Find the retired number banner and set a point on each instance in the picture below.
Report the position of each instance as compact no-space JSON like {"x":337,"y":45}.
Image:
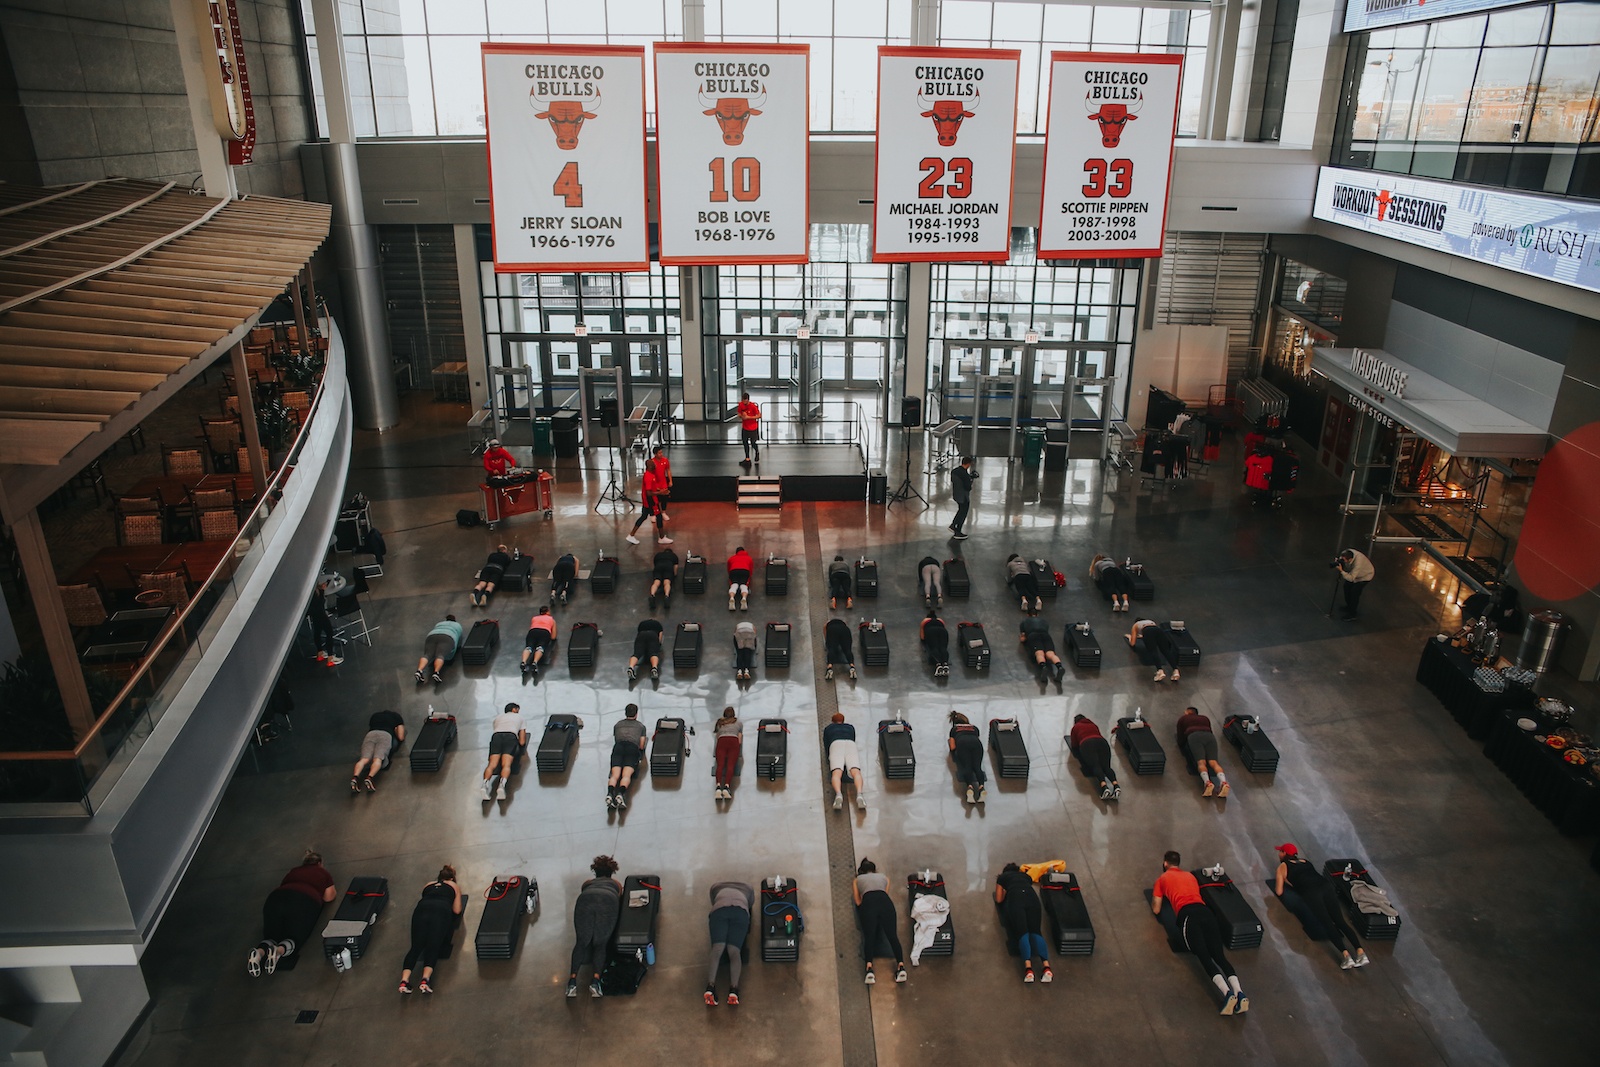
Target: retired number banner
{"x":1108,"y":154}
{"x":733,"y":141}
{"x":947,"y":120}
{"x":566,"y":157}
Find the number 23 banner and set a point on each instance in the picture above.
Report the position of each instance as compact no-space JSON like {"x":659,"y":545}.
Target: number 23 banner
{"x":946,"y":154}
{"x":733,"y":141}
{"x":1108,"y":154}
{"x":566,"y":156}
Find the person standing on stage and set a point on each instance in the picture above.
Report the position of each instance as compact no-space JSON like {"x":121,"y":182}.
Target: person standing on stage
{"x":961,"y":493}
{"x":750,"y":427}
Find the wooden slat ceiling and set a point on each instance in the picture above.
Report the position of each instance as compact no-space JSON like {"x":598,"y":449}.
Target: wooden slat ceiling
{"x":110,"y":289}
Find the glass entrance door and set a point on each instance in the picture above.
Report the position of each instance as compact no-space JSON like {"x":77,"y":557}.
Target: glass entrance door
{"x":980,"y":380}
{"x":1066,"y":382}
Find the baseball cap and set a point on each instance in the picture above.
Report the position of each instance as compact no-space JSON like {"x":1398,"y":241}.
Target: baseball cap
{"x":1288,"y":850}
{"x":494,"y":442}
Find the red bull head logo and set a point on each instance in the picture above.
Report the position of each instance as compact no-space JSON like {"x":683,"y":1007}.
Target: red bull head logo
{"x":566,"y":117}
{"x":947,"y":115}
{"x":733,"y":113}
{"x":1113,"y":118}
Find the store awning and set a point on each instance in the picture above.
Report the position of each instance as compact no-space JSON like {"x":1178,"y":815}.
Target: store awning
{"x":1456,"y":421}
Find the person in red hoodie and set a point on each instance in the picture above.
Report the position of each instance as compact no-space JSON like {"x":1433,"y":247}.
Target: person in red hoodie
{"x":1094,"y":755}
{"x":1258,"y":475}
{"x":740,"y":568}
{"x":750,"y":427}
{"x":650,"y":489}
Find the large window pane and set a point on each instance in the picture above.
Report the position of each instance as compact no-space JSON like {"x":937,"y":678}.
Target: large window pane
{"x":1446,"y":80}
{"x":965,"y":18}
{"x":855,"y":84}
{"x":1116,"y":25}
{"x":458,"y":86}
{"x":359,"y":79}
{"x":1565,"y":109}
{"x":447,"y":16}
{"x":1521,"y":25}
{"x":750,"y":18}
{"x":1501,"y":95}
{"x":1576,"y":24}
{"x":636,"y":17}
{"x":519,"y":17}
{"x":1017,"y":22}
{"x":1068,"y":24}
{"x":402,"y":87}
{"x":392,"y":16}
{"x":578,"y":20}
{"x":1459,"y":33}
{"x":804,"y":18}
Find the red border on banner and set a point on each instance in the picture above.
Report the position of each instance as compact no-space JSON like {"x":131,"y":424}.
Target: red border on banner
{"x":733,"y":46}
{"x":1002,"y":256}
{"x":512,"y":48}
{"x":1158,"y":58}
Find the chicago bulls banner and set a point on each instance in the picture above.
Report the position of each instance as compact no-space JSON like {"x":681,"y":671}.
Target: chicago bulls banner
{"x":1108,"y":154}
{"x":566,"y":156}
{"x":947,"y":120}
{"x":733,"y":139}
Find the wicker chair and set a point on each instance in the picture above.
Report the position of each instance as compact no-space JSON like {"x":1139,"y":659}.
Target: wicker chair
{"x":140,"y":528}
{"x":242,"y":458}
{"x":219,"y":524}
{"x":298,"y":401}
{"x":84,"y":605}
{"x":172,"y":584}
{"x":181,"y":461}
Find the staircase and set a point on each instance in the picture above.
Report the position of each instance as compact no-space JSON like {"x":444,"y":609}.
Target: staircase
{"x":760,"y":491}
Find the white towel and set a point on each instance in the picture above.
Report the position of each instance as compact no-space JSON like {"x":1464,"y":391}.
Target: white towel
{"x":927,"y":915}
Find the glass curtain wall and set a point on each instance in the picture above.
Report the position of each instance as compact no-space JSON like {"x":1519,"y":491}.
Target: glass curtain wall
{"x":1507,"y":99}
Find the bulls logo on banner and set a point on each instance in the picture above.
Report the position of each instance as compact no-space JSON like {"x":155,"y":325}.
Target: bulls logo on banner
{"x":946,"y":154}
{"x":1108,"y":154}
{"x":732,"y":152}
{"x":566,"y":156}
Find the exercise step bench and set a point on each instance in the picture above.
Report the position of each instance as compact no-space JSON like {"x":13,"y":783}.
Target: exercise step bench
{"x":352,"y":922}
{"x":1082,"y":646}
{"x":874,"y":644}
{"x":507,"y":903}
{"x":1374,"y":926}
{"x":772,"y":748}
{"x":781,"y":923}
{"x":669,"y":747}
{"x":481,"y":641}
{"x":1188,"y":647}
{"x":931,"y":883}
{"x":686,"y":644}
{"x":779,"y":636}
{"x":518,"y":576}
{"x":894,"y":745}
{"x":1063,"y":902}
{"x":603,"y":578}
{"x":641,"y":905}
{"x":1009,"y":749}
{"x":556,"y":745}
{"x":427,"y":750}
{"x":1044,"y":575}
{"x":867,"y":578}
{"x":582,"y":645}
{"x":1256,"y":751}
{"x":974,"y":644}
{"x":693,"y":577}
{"x":1235,"y":917}
{"x":956,"y":580}
{"x":1141,"y":746}
{"x":777,"y":577}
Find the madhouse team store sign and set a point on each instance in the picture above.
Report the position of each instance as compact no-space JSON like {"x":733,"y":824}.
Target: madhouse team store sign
{"x":566,"y":157}
{"x":1108,"y":154}
{"x":733,"y":140}
{"x":946,"y":154}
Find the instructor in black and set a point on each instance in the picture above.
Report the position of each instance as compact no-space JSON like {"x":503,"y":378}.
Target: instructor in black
{"x":961,"y":493}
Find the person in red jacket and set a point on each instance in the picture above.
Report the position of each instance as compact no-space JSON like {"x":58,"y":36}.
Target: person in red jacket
{"x":1094,"y":755}
{"x":740,"y":568}
{"x":651,"y":487}
{"x":500,"y":465}
{"x":750,"y":427}
{"x":1258,"y":475}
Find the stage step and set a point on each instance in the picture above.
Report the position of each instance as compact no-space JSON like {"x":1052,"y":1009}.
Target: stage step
{"x":759,"y":491}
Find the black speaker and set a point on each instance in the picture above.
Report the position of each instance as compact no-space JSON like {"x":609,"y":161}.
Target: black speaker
{"x":608,"y":412}
{"x":910,"y":412}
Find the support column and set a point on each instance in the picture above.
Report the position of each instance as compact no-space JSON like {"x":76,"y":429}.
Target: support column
{"x":1220,"y":67}
{"x":373,"y":396}
{"x":297,"y":301}
{"x":58,"y":642}
{"x":470,"y":285}
{"x":247,"y":421}
{"x":693,"y":393}
{"x":919,"y":286}
{"x":198,"y":59}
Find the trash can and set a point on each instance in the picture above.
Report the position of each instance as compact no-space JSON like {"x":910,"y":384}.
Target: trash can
{"x":877,"y":487}
{"x":1541,"y":640}
{"x":1055,"y":446}
{"x":1032,"y":447}
{"x":564,"y":433}
{"x":542,"y":442}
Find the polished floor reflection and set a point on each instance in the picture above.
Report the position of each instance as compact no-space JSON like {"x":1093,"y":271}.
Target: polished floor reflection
{"x":1494,"y":964}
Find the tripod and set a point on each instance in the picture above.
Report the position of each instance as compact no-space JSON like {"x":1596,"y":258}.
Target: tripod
{"x":613,"y":493}
{"x":906,"y":490}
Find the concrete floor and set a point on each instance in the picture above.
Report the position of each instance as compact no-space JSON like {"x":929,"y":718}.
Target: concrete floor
{"x":1494,"y":966}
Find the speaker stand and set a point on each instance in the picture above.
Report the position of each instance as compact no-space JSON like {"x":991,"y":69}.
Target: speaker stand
{"x":613,"y":493}
{"x":906,"y":491}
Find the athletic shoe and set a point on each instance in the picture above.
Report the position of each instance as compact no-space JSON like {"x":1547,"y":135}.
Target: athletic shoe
{"x":900,"y":973}
{"x":744,"y":602}
{"x":1161,"y":676}
{"x":252,"y":963}
{"x":563,"y":597}
{"x":488,"y":789}
{"x":425,"y":987}
{"x":421,"y":677}
{"x":731,"y":602}
{"x":1038,"y":603}
{"x":1061,"y":671}
{"x":1244,"y":1004}
{"x":367,"y":782}
{"x":633,"y":672}
{"x":959,"y":537}
{"x":355,"y":786}
{"x":594,"y":989}
{"x":1027,"y":976}
{"x":833,"y":603}
{"x":871,"y":979}
{"x":1361,"y":958}
{"x":652,"y":604}
{"x":663,"y":540}
{"x":711,"y":997}
{"x":321,"y":656}
{"x":838,"y":802}
{"x":405,"y":986}
{"x":1208,"y":790}
{"x":437,"y":678}
{"x":1048,"y":976}
{"x":611,"y":799}
{"x":270,"y":964}
{"x":1024,"y":603}
{"x":1116,"y":792}
{"x":983,"y":794}
{"x":334,"y":661}
{"x":632,"y":540}
{"x":622,"y":801}
{"x":971,"y":797}
{"x":1105,"y":792}
{"x":1349,"y":964}
{"x":1223,"y":791}
{"x":1231,"y":1004}
{"x":733,"y":998}
{"x":827,"y":675}
{"x":655,"y":672}
{"x":861,"y":805}
{"x":852,"y":672}
{"x":500,"y":787}
{"x":572,"y":989}
{"x":849,"y":602}
{"x":523,"y":666}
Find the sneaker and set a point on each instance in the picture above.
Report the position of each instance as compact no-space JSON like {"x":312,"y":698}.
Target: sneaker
{"x":1061,"y":671}
{"x":632,"y":540}
{"x":1349,"y":964}
{"x":1038,"y":603}
{"x":572,"y":988}
{"x":252,"y":963}
{"x":733,"y":998}
{"x":1175,"y":674}
{"x":972,"y":797}
{"x":488,"y":789}
{"x":367,"y":783}
{"x":421,"y":677}
{"x":321,"y":656}
{"x":852,"y":672}
{"x":1027,"y":976}
{"x":833,"y":603}
{"x":594,"y":989}
{"x":405,"y":986}
{"x":633,"y":672}
{"x":1244,"y":1004}
{"x":655,"y":672}
{"x":1105,"y":792}
{"x":861,"y":805}
{"x":1048,"y":976}
{"x":622,"y":801}
{"x":744,"y":602}
{"x":983,"y":794}
{"x":711,"y":997}
{"x":355,"y":786}
{"x":1223,"y":791}
{"x":500,"y":787}
{"x":1024,"y":603}
{"x":1361,"y":958}
{"x":1116,"y":792}
{"x":900,"y":973}
{"x":437,"y":678}
{"x":523,"y":666}
{"x":959,"y":537}
{"x":731,"y":603}
{"x":611,"y":799}
{"x":1161,"y":676}
{"x":424,"y":987}
{"x":838,"y":804}
{"x":827,"y":675}
{"x":1208,"y":790}
{"x":334,"y":661}
{"x":663,"y":540}
{"x":870,"y":979}
{"x":849,"y":602}
{"x":1231,"y":1004}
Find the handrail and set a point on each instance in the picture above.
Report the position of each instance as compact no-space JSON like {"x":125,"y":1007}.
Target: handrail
{"x":176,"y":626}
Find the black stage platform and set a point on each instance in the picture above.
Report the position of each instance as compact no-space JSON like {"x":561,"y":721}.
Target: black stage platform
{"x":818,"y":471}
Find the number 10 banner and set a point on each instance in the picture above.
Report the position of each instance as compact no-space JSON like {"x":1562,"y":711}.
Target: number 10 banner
{"x":733,"y":142}
{"x":946,"y":154}
{"x":1108,"y":154}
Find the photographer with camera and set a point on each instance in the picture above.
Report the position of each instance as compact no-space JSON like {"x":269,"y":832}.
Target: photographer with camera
{"x":1356,"y":570}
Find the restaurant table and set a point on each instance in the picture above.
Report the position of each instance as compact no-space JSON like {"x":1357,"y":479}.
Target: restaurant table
{"x":126,"y":636}
{"x":1447,"y":674}
{"x":1569,"y":795}
{"x":111,"y":566}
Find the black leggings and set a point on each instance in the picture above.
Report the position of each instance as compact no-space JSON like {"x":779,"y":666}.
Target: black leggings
{"x":1158,"y":643}
{"x":968,"y":755}
{"x":594,"y":917}
{"x":1025,"y":585}
{"x":744,"y":659}
{"x":1324,"y":904}
{"x":1115,"y":580}
{"x":1095,"y":757}
{"x":561,"y":579}
{"x":878,"y":919}
{"x":839,"y":648}
{"x":839,"y":584}
{"x":432,"y":925}
{"x":936,"y":639}
{"x":1200,"y":934}
{"x":289,"y":915}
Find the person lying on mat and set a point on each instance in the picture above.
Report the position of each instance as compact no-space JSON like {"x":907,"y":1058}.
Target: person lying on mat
{"x":385,"y":730}
{"x":844,"y":757}
{"x":838,"y":648}
{"x":290,"y":913}
{"x":433,"y":924}
{"x":930,"y":578}
{"x":1113,"y":580}
{"x":744,"y":650}
{"x":1019,"y":576}
{"x":540,"y":637}
{"x":839,"y":583}
{"x":1195,"y":738}
{"x":594,"y":917}
{"x":646,"y":648}
{"x":731,"y":903}
{"x":936,"y":643}
{"x":489,"y":575}
{"x":966,"y":749}
{"x":1199,"y":930}
{"x":1321,"y":899}
{"x":1159,"y":644}
{"x":509,"y":736}
{"x":627,"y":750}
{"x":1034,"y":633}
{"x":875,"y":911}
{"x":740,"y":568}
{"x":562,"y":575}
{"x":663,"y":571}
{"x":1094,"y":754}
{"x":1024,"y":919}
{"x":438,"y":648}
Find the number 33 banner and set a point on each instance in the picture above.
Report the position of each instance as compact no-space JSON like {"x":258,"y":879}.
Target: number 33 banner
{"x":733,"y":142}
{"x":566,"y":157}
{"x":1108,"y":154}
{"x":946,"y":135}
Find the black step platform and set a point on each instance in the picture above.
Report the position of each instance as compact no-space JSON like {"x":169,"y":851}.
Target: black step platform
{"x":780,"y":921}
{"x":1009,"y":749}
{"x":1063,"y":903}
{"x":636,"y":922}
{"x":427,"y":749}
{"x":479,"y":646}
{"x":957,"y":582}
{"x":777,"y":577}
{"x":894,"y":745}
{"x":1045,"y":575}
{"x":1083,"y":647}
{"x":687,"y":641}
{"x":358,"y":911}
{"x":779,"y":637}
{"x":1235,"y":917}
{"x":931,"y":883}
{"x":1143,"y":587}
{"x":1370,"y":925}
{"x":1188,"y":647}
{"x":867,"y":578}
{"x":1256,"y":751}
{"x":974,"y":645}
{"x":1142,"y":747}
{"x":668,"y":748}
{"x":518,"y":576}
{"x":772,"y":748}
{"x":555,"y":747}
{"x":693,"y":577}
{"x":507,"y":903}
{"x":874,"y":644}
{"x":603,"y":577}
{"x":582,"y":645}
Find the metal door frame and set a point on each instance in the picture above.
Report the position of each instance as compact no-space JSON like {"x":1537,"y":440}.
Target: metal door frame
{"x":657,"y":341}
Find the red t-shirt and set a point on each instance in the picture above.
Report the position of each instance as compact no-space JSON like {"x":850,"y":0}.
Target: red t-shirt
{"x":741,"y":561}
{"x":750,"y":414}
{"x":497,"y":461}
{"x":547,"y":623}
{"x":1190,"y":724}
{"x":1081,"y":732}
{"x":1179,"y":888}
{"x":653,"y":483}
{"x":312,"y":880}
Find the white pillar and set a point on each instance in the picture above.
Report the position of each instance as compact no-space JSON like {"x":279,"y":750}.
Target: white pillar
{"x":471,"y":289}
{"x":198,"y":58}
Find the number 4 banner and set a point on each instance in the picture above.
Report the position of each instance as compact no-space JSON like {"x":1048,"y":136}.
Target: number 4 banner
{"x":946,"y":154}
{"x":566,"y":157}
{"x":733,"y":142}
{"x":1108,"y":154}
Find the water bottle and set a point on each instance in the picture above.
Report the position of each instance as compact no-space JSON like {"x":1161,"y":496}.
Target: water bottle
{"x":1138,"y":714}
{"x":516,"y":553}
{"x":650,"y":954}
{"x":430,"y":711}
{"x":1348,"y":872}
{"x":1127,"y":563}
{"x":788,"y":924}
